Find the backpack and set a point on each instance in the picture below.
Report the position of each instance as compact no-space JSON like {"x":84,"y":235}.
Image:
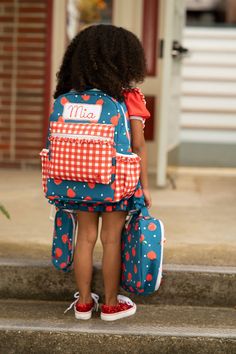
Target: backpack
{"x":142,"y":253}
{"x":88,"y":146}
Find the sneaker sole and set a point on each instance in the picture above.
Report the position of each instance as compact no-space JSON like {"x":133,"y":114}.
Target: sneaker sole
{"x":119,"y":315}
{"x":83,"y":315}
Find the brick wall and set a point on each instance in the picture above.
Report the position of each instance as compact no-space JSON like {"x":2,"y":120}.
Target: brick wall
{"x":25,"y":33}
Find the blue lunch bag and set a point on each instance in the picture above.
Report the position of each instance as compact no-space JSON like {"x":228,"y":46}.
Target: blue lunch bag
{"x":142,"y":253}
{"x":63,"y":244}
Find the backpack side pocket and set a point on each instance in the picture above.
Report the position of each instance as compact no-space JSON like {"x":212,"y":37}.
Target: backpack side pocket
{"x":44,"y":154}
{"x":127,"y":175}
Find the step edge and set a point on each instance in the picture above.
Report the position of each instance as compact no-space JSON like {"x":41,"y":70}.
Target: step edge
{"x":184,"y":332}
{"x":166,"y":267}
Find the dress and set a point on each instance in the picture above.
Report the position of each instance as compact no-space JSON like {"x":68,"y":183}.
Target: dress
{"x":136,"y":107}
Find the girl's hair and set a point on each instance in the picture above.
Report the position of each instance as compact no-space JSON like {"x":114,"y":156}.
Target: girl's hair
{"x":105,"y":57}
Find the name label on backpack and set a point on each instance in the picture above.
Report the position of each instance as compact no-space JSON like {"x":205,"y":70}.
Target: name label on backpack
{"x":81,"y":111}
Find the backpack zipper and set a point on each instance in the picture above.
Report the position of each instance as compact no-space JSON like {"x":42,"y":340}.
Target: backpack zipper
{"x":126,"y":155}
{"x":125,"y":119}
{"x":79,"y":136}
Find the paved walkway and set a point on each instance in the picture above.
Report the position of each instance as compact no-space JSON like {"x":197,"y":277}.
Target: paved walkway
{"x":199,"y":217}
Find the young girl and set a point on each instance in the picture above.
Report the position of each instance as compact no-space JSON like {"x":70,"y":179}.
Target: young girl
{"x":112,"y":60}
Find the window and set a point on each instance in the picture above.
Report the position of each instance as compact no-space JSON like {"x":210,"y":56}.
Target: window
{"x":82,"y":13}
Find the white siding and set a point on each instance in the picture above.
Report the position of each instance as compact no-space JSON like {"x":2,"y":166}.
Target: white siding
{"x":208,"y":104}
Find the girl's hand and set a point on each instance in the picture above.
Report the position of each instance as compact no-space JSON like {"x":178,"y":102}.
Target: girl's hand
{"x":147,"y":198}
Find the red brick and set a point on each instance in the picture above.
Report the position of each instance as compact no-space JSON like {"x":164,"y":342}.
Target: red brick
{"x":6,"y":19}
{"x":30,"y":40}
{"x":32,"y":20}
{"x":31,"y":30}
{"x":33,"y":10}
{"x":10,"y":48}
{"x":30,"y":58}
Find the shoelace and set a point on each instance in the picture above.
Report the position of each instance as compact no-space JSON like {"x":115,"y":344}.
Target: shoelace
{"x":95,"y":298}
{"x":125,"y":300}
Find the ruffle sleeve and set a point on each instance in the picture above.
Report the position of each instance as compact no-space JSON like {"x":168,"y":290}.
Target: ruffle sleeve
{"x":136,"y":104}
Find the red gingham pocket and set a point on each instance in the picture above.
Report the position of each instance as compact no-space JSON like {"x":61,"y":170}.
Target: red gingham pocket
{"x":127,"y":175}
{"x":82,"y":152}
{"x":45,"y":167}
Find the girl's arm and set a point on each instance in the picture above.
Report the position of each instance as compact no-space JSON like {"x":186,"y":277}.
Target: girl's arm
{"x":139,"y":148}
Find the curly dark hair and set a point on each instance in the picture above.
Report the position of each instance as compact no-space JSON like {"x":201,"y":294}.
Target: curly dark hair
{"x":105,"y":57}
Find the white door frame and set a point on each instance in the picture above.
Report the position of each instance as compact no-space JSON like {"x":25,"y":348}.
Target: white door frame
{"x":155,"y":86}
{"x":166,"y":13}
{"x":58,"y":37}
{"x":131,"y":9}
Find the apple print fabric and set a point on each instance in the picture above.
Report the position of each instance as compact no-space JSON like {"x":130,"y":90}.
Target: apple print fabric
{"x":63,"y":240}
{"x":142,"y":253}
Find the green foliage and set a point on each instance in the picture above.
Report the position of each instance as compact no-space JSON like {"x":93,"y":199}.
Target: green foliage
{"x":4,"y":211}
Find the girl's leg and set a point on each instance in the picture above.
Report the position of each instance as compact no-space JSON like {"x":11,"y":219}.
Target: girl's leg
{"x":112,"y":225}
{"x":83,"y":256}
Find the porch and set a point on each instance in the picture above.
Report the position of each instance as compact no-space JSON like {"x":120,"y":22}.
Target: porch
{"x":199,"y":216}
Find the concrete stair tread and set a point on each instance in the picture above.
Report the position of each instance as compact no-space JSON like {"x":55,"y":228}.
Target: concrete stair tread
{"x":45,"y":263}
{"x":149,"y":320}
{"x":175,"y":252}
{"x":182,"y":285}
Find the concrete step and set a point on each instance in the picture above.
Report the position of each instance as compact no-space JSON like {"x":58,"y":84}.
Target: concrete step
{"x":182,"y":285}
{"x":41,"y":327}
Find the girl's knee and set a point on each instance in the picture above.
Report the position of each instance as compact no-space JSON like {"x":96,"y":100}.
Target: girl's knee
{"x":110,"y":237}
{"x":89,"y":236}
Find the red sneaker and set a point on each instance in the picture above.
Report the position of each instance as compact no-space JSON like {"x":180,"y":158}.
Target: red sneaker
{"x":125,"y":308}
{"x":84,"y":311}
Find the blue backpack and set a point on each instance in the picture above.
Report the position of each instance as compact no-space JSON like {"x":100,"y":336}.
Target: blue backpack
{"x":88,"y":157}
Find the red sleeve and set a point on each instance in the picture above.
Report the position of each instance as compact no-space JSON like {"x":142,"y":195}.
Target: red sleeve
{"x":136,"y":104}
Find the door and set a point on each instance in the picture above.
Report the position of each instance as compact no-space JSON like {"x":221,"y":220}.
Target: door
{"x":157,"y":23}
{"x":170,"y":63}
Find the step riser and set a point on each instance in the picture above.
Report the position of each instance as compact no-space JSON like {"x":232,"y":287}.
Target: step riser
{"x":40,"y":342}
{"x":178,"y":287}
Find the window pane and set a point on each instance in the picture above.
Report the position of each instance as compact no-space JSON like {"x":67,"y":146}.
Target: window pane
{"x":82,"y":13}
